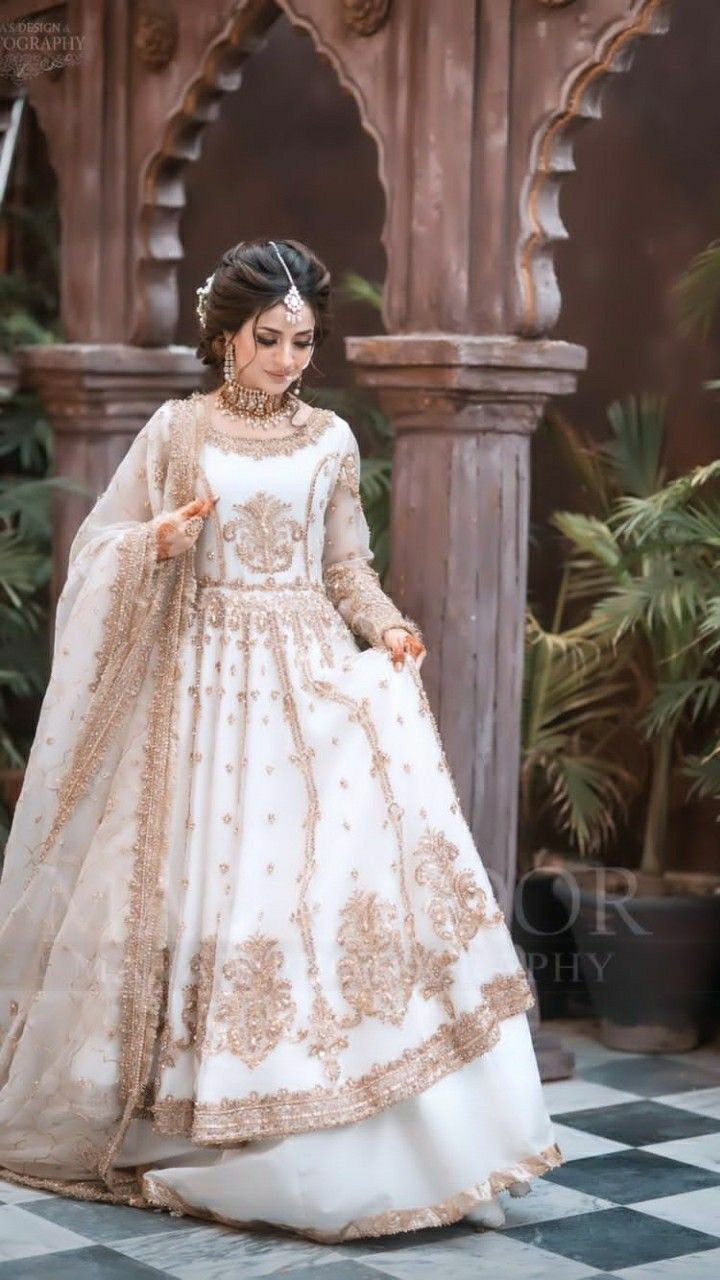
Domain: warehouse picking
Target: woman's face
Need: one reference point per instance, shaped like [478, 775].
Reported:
[283, 349]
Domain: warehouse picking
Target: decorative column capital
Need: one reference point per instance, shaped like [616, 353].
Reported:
[103, 389]
[467, 380]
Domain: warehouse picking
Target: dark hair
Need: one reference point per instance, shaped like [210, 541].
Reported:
[249, 280]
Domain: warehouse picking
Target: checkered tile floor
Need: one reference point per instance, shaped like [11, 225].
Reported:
[639, 1197]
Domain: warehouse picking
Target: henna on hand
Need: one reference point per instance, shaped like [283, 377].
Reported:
[400, 642]
[173, 536]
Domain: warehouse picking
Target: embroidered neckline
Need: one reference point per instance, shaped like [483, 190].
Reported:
[256, 447]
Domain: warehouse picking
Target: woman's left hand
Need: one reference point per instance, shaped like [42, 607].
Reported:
[399, 642]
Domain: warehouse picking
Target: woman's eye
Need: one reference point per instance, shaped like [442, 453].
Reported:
[270, 342]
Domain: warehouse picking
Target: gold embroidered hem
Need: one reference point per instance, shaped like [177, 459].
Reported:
[448, 1211]
[393, 1222]
[295, 1111]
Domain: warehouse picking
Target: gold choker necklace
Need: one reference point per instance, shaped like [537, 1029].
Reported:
[259, 407]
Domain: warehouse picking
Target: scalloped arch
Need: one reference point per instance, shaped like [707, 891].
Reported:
[162, 191]
[541, 227]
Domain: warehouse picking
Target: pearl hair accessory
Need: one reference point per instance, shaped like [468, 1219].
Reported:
[203, 292]
[293, 301]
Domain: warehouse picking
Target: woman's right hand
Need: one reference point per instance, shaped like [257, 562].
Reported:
[178, 531]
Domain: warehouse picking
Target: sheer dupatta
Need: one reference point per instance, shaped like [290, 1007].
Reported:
[82, 928]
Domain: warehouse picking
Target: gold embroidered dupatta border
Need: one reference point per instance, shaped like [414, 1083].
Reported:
[132, 639]
[144, 957]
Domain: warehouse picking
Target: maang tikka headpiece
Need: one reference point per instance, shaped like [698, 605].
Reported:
[292, 299]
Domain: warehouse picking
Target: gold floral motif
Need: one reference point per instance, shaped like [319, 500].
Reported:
[348, 475]
[375, 977]
[197, 995]
[259, 1009]
[458, 906]
[325, 1039]
[435, 976]
[263, 533]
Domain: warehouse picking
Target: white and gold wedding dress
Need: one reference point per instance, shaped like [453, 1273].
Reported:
[252, 966]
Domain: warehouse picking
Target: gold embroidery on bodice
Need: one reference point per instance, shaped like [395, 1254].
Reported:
[263, 533]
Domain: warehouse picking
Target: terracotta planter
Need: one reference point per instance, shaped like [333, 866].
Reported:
[650, 953]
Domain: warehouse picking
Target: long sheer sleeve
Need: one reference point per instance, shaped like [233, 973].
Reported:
[351, 582]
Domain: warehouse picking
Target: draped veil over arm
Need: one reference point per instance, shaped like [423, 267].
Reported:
[76, 975]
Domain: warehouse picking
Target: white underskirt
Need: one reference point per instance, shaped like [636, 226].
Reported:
[483, 1120]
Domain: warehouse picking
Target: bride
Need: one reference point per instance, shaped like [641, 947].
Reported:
[253, 969]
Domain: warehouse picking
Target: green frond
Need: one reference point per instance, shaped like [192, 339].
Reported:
[589, 534]
[673, 699]
[355, 288]
[636, 452]
[583, 457]
[697, 291]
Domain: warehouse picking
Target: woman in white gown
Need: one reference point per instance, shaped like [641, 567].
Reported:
[253, 968]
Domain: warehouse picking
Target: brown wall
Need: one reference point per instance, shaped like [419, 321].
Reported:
[644, 200]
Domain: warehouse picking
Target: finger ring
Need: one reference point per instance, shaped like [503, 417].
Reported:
[194, 525]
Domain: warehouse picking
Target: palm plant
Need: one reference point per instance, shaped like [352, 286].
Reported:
[572, 768]
[646, 569]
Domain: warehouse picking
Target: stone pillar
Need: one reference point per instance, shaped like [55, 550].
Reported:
[97, 397]
[464, 408]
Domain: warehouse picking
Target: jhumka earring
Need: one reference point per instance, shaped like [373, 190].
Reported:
[229, 365]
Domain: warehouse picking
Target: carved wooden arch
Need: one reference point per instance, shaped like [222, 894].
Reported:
[541, 226]
[162, 189]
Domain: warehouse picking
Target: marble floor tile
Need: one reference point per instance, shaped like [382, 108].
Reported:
[576, 1143]
[22, 1235]
[484, 1255]
[703, 1151]
[616, 1237]
[579, 1095]
[691, 1266]
[640, 1121]
[546, 1201]
[698, 1209]
[13, 1193]
[651, 1074]
[218, 1253]
[631, 1175]
[104, 1223]
[706, 1102]
[344, 1269]
[94, 1263]
[582, 1037]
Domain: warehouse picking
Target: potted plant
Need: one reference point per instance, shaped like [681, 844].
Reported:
[646, 567]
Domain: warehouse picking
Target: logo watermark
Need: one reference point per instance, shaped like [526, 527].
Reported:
[29, 49]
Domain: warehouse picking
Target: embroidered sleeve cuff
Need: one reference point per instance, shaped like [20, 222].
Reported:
[354, 588]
